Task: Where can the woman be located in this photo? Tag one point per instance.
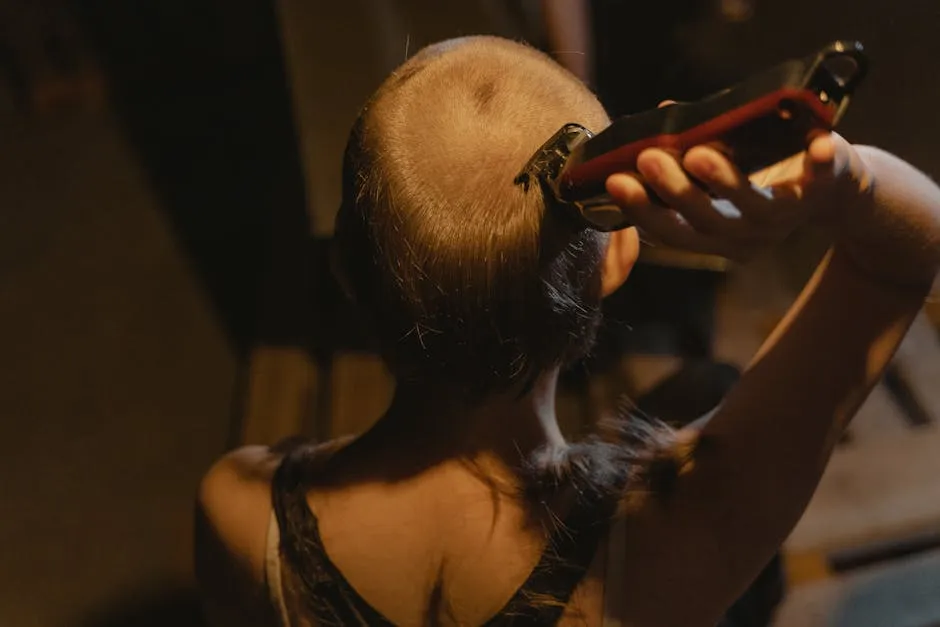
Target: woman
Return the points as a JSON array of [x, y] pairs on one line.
[[464, 505]]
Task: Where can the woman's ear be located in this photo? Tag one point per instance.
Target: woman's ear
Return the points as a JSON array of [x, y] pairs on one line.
[[623, 248]]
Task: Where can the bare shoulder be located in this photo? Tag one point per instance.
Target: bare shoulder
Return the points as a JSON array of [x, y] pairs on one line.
[[235, 500], [233, 510]]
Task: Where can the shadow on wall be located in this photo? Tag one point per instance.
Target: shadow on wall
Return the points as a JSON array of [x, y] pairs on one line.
[[200, 88], [161, 606]]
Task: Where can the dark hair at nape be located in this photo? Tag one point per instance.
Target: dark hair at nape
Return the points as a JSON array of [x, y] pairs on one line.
[[464, 279], [629, 452]]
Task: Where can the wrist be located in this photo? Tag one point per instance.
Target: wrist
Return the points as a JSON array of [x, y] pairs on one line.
[[887, 219]]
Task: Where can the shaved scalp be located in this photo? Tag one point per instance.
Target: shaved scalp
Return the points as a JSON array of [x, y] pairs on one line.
[[464, 278], [470, 112]]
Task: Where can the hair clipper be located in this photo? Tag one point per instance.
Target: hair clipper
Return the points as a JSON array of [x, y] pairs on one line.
[[757, 123]]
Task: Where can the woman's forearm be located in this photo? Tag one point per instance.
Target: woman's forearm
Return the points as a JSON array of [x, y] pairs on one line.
[[760, 456], [817, 367], [762, 453]]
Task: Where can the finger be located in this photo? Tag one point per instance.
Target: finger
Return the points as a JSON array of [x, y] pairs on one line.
[[661, 224], [665, 226], [626, 190], [833, 166], [667, 103], [724, 180], [632, 190], [819, 162], [669, 182]]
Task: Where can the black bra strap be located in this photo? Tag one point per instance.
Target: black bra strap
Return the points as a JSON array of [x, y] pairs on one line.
[[326, 593], [543, 597]]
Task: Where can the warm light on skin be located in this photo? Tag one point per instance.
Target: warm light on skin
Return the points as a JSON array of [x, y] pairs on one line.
[[623, 249]]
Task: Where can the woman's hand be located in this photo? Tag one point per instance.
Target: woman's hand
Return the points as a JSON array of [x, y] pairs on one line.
[[706, 205]]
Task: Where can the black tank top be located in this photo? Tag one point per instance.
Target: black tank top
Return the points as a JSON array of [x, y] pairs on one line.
[[331, 600]]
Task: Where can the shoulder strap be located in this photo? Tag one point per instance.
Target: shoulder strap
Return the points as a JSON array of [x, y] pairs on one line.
[[272, 572], [327, 595], [614, 573], [572, 546]]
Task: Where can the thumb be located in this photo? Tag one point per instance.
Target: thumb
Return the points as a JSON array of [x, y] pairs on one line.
[[834, 171], [820, 160], [830, 158]]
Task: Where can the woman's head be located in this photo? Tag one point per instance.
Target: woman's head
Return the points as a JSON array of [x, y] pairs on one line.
[[467, 280]]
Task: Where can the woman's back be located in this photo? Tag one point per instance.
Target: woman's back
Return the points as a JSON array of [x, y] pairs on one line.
[[356, 533], [444, 546]]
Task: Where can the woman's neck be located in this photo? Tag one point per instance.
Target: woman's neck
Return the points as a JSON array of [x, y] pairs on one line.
[[500, 433]]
